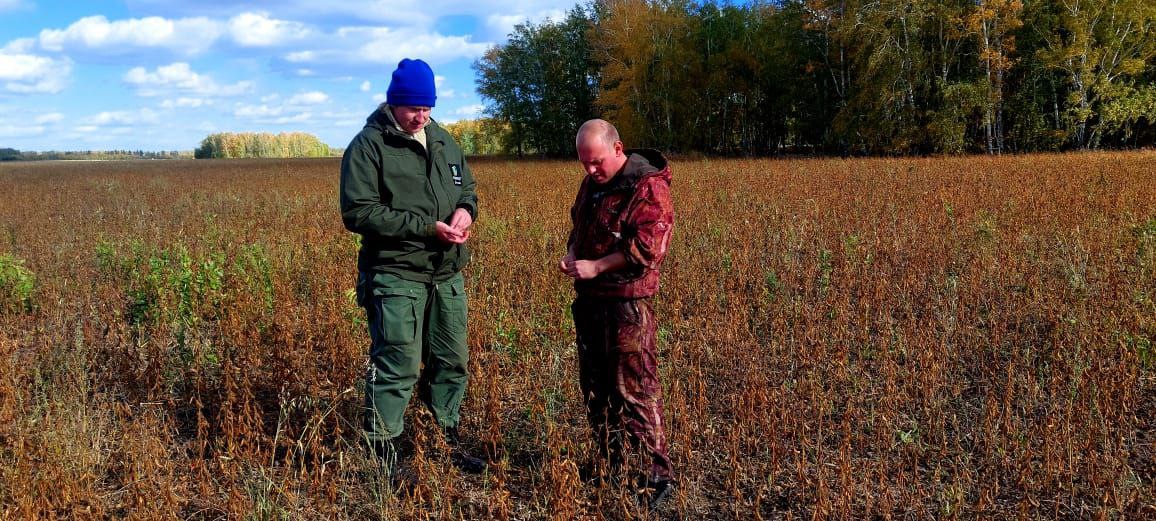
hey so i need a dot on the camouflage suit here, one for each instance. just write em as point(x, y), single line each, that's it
point(613, 318)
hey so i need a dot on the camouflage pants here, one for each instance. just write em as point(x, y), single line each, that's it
point(618, 368)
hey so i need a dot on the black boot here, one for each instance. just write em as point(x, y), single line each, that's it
point(390, 463)
point(459, 457)
point(384, 452)
point(599, 469)
point(655, 492)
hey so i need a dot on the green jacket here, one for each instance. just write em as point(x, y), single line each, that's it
point(393, 191)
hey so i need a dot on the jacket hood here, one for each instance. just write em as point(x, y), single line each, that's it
point(641, 163)
point(378, 119)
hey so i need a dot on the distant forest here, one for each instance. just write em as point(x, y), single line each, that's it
point(235, 145)
point(221, 145)
point(11, 154)
point(881, 77)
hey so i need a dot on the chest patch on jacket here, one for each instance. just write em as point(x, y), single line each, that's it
point(456, 172)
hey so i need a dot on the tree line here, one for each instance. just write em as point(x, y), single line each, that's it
point(233, 145)
point(483, 136)
point(831, 76)
point(12, 154)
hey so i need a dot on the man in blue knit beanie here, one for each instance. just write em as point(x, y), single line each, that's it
point(406, 189)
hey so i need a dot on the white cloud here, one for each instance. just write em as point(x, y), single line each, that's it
point(460, 113)
point(96, 33)
point(386, 46)
point(180, 77)
point(32, 74)
point(504, 23)
point(123, 118)
point(298, 118)
point(501, 25)
point(185, 103)
point(375, 10)
point(257, 111)
point(19, 46)
point(301, 56)
point(413, 12)
point(273, 112)
point(443, 93)
point(21, 66)
point(365, 86)
point(51, 117)
point(258, 30)
point(12, 5)
point(309, 98)
point(469, 111)
point(21, 131)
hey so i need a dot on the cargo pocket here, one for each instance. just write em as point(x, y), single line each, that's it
point(397, 309)
point(637, 378)
point(628, 312)
point(632, 330)
point(457, 304)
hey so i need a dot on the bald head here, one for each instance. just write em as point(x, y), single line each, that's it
point(600, 150)
point(599, 129)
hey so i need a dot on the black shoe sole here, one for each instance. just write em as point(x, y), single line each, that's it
point(468, 464)
point(655, 496)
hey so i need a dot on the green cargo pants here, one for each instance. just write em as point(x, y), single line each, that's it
point(418, 337)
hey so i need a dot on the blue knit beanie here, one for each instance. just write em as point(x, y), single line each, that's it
point(412, 85)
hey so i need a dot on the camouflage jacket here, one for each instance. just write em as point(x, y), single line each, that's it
point(631, 214)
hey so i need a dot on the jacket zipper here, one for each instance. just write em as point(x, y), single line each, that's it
point(430, 168)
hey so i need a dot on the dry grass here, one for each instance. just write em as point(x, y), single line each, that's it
point(895, 339)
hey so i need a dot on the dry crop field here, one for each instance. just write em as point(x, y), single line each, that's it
point(943, 338)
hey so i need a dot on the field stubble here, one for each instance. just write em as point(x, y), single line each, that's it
point(841, 339)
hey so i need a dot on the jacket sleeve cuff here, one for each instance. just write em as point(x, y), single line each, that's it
point(430, 229)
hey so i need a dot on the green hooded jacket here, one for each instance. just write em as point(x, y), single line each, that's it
point(394, 190)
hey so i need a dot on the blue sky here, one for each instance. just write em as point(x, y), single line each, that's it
point(163, 74)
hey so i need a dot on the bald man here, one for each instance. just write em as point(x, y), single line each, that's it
point(622, 220)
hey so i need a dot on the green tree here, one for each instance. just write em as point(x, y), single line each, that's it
point(886, 108)
point(252, 145)
point(645, 52)
point(992, 23)
point(541, 84)
point(483, 136)
point(1102, 47)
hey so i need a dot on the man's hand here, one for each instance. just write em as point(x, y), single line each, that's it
point(588, 269)
point(566, 263)
point(450, 234)
point(582, 269)
point(457, 231)
point(579, 269)
point(461, 220)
